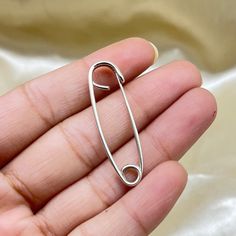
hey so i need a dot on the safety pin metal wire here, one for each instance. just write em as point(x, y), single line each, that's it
point(122, 173)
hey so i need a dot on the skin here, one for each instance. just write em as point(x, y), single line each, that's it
point(55, 177)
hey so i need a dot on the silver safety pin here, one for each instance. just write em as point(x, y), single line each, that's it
point(121, 80)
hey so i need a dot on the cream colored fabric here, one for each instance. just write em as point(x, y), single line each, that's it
point(38, 36)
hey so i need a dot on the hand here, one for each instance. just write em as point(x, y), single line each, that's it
point(55, 177)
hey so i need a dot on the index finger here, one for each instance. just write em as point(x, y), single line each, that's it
point(33, 108)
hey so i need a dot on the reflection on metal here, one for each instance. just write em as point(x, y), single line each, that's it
point(122, 173)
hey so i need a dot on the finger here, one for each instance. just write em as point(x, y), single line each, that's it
point(166, 138)
point(71, 150)
point(141, 209)
point(32, 109)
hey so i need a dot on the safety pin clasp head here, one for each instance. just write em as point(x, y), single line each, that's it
point(113, 67)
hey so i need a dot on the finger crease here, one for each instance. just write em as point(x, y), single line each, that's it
point(158, 145)
point(93, 149)
point(21, 188)
point(85, 161)
point(98, 193)
point(49, 120)
point(134, 216)
point(145, 117)
point(43, 226)
point(115, 192)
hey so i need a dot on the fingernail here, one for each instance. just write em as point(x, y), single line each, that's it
point(156, 54)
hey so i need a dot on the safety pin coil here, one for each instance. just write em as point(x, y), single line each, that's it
point(138, 169)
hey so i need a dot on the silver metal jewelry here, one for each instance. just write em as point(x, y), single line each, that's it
point(120, 78)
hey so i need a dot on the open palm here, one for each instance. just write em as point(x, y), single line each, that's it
point(55, 178)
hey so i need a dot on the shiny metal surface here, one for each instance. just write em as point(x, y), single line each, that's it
point(122, 173)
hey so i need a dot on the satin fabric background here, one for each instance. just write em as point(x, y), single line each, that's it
point(39, 36)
